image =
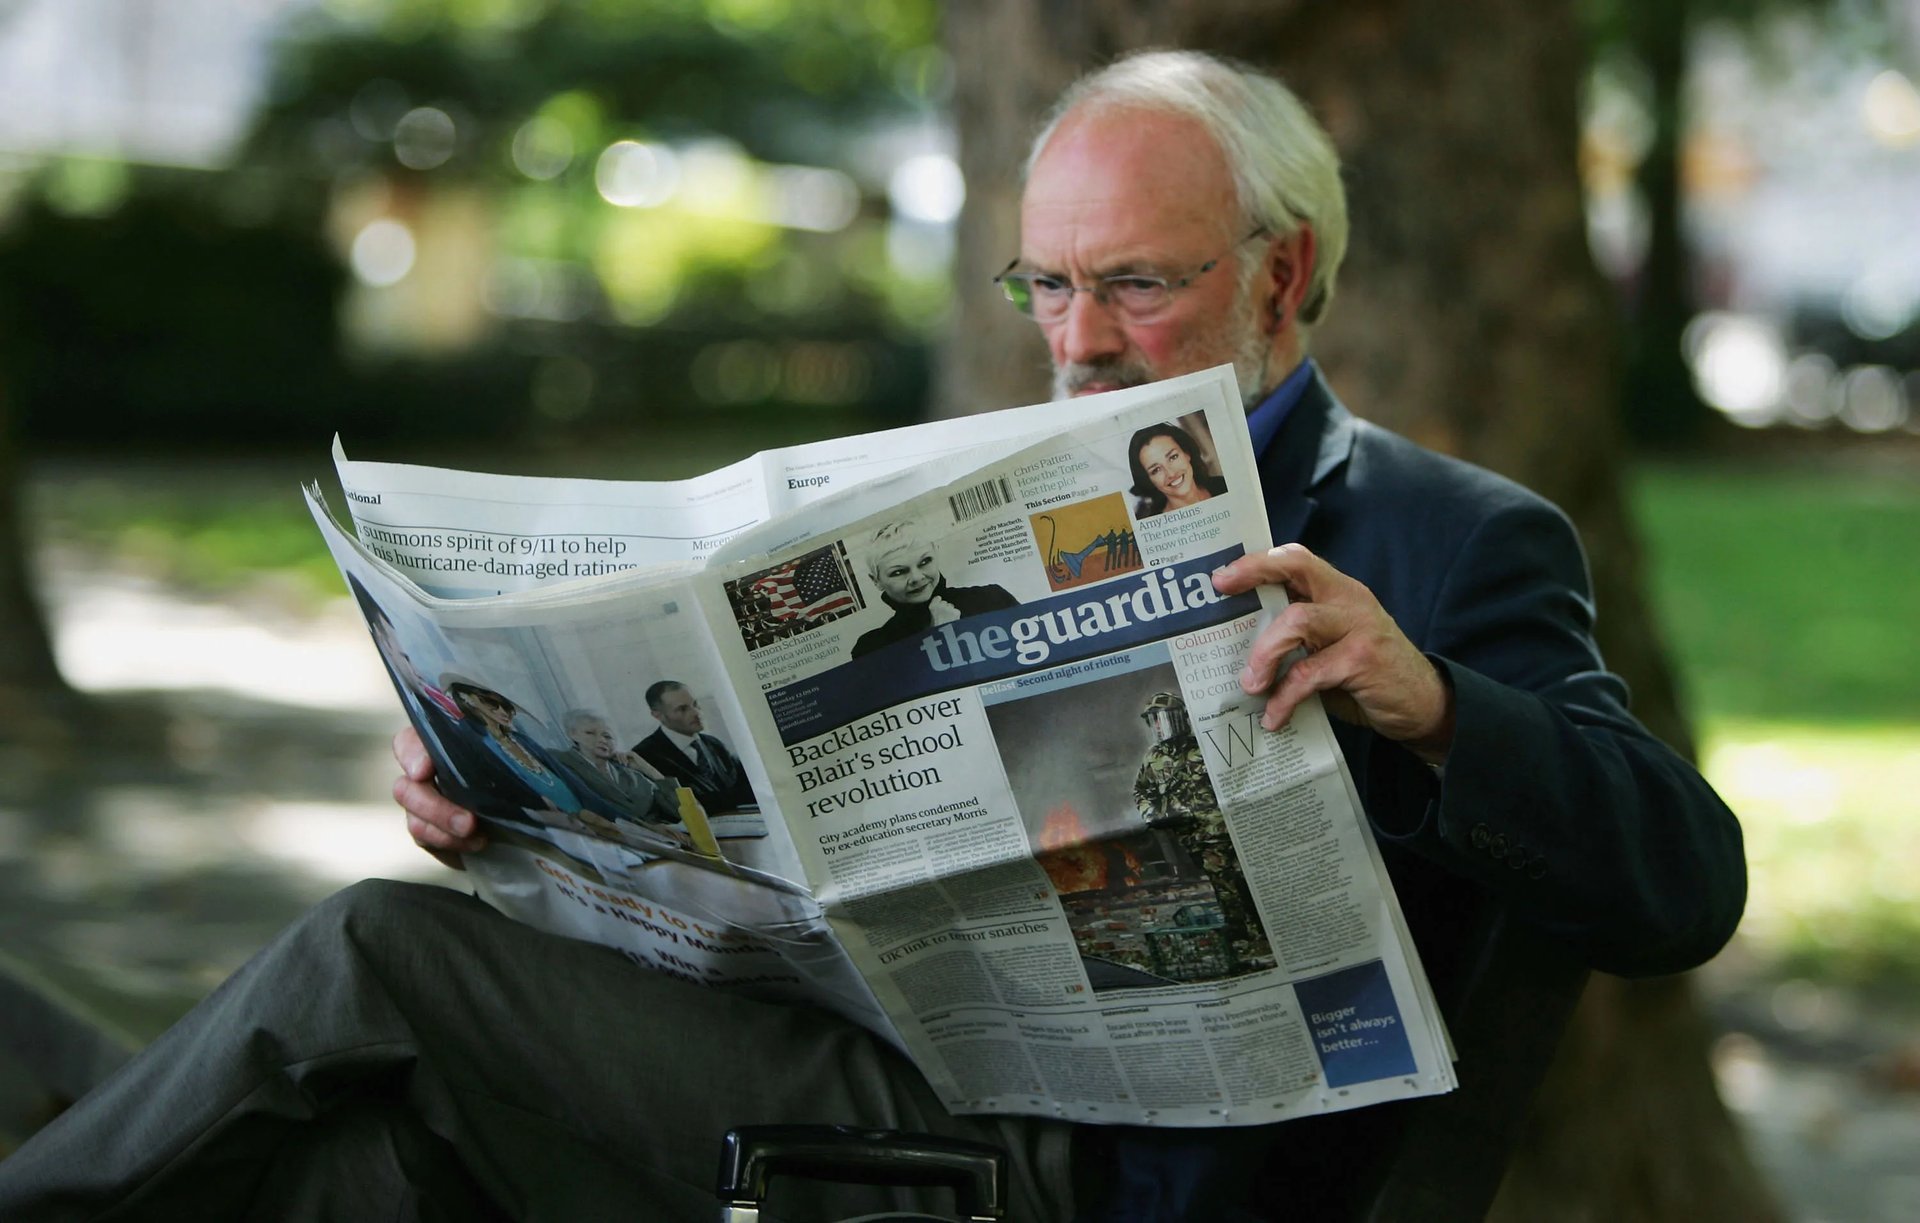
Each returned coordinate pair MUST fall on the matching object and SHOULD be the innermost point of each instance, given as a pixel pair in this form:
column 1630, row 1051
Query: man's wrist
column 1433, row 746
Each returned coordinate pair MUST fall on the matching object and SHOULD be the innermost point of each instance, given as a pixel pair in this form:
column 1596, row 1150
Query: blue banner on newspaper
column 1081, row 623
column 1356, row 1027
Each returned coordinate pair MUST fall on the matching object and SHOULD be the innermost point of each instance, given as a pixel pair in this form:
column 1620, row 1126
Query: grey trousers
column 404, row 1052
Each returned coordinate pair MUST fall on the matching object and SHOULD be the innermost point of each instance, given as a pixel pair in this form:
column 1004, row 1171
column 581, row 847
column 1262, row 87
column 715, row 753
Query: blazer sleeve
column 1553, row 796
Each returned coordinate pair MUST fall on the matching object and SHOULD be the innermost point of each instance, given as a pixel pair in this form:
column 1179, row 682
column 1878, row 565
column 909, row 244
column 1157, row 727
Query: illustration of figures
column 1119, row 547
column 1175, row 795
column 1117, row 550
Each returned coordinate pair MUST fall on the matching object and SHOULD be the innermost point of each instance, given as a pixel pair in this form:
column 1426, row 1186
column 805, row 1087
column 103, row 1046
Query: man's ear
column 1289, row 266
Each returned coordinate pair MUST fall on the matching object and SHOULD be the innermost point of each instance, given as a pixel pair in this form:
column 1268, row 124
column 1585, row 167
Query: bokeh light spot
column 928, row 188
column 383, row 252
column 634, row 175
column 424, row 138
column 542, row 148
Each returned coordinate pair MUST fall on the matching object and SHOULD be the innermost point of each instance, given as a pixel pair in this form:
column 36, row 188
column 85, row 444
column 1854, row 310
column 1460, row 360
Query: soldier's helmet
column 1163, row 700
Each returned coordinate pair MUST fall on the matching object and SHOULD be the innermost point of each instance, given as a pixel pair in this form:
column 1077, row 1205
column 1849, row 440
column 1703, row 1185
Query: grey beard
column 1252, row 361
column 1250, row 364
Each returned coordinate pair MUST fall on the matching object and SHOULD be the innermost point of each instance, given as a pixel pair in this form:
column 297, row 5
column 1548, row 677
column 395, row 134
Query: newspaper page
column 563, row 599
column 1024, row 826
column 1022, row 780
column 538, row 720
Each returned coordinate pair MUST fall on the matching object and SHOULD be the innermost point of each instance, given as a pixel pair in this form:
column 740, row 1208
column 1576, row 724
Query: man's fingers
column 412, row 754
column 1315, row 673
column 1289, row 565
column 425, row 835
column 1314, row 625
column 457, row 827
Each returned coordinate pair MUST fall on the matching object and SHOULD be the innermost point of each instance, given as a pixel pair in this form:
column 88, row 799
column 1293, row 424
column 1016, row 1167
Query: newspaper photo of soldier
column 1114, row 794
column 1086, row 541
column 1173, row 466
column 794, row 598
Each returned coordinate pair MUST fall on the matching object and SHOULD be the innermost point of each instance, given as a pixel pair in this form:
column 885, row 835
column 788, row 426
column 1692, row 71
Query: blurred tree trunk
column 33, row 697
column 1469, row 317
column 1660, row 405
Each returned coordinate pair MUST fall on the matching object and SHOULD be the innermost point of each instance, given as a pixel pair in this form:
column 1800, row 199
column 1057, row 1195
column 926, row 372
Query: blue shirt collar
column 1266, row 418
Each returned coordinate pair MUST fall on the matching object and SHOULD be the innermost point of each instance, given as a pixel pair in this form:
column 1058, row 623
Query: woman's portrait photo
column 1170, row 470
column 904, row 566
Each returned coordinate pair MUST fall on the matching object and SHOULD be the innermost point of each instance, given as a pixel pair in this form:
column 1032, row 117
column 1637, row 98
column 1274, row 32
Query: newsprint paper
column 939, row 727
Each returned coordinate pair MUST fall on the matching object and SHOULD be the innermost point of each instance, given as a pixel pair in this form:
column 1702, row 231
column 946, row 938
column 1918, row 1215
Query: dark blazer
column 1555, row 800
column 1556, row 805
column 724, row 788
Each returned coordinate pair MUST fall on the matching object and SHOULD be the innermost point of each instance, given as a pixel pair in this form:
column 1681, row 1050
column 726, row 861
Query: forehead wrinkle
column 1115, row 191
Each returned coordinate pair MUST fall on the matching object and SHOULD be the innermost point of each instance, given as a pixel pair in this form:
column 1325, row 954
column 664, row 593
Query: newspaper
column 939, row 727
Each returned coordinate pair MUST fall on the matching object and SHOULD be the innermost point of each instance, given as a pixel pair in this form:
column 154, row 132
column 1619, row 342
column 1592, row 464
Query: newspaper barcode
column 991, row 495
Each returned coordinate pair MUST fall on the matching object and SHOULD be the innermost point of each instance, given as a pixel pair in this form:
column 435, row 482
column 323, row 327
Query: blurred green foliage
column 143, row 305
column 1787, row 594
column 213, row 533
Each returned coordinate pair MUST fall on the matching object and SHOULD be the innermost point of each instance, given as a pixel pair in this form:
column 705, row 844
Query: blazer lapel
column 1315, row 440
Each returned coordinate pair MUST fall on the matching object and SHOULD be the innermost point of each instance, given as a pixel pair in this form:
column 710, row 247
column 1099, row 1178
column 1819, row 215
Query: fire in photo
column 1114, row 792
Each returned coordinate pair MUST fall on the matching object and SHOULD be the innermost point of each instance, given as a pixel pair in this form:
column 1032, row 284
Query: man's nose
column 1090, row 330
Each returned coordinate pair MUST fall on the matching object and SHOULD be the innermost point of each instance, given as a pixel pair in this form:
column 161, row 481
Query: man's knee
column 376, row 905
column 381, row 921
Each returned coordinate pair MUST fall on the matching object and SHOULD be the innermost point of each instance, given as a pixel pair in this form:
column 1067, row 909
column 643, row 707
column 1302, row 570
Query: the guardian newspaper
column 941, row 728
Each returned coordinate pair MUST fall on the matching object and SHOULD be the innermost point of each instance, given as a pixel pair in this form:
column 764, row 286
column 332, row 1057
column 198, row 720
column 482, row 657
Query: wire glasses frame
column 1136, row 296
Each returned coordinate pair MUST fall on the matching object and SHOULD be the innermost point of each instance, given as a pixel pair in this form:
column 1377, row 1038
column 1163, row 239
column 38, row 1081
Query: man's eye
column 1135, row 288
column 1046, row 286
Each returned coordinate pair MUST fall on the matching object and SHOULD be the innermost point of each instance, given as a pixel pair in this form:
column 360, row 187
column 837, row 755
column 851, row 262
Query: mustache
column 1076, row 375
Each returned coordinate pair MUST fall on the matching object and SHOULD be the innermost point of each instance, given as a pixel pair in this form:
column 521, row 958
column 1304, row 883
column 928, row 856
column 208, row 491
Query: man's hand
column 1363, row 666
column 437, row 824
column 639, row 764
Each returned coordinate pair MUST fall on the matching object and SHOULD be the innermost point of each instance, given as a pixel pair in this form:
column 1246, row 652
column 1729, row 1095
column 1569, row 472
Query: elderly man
column 1178, row 213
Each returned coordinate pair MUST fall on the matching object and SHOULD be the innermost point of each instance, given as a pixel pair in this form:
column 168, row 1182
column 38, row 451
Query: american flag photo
column 810, row 590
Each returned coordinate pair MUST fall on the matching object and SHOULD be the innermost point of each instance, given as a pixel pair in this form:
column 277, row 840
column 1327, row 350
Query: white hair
column 891, row 538
column 1284, row 168
column 574, row 719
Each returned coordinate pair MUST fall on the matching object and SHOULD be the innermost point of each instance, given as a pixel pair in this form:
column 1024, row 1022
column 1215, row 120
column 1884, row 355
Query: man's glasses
column 1139, row 297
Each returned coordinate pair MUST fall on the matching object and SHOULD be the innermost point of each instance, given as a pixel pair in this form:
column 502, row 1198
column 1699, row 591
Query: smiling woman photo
column 1168, row 472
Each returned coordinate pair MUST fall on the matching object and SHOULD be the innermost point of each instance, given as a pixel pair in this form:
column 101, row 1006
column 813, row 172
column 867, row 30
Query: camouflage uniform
column 1174, row 793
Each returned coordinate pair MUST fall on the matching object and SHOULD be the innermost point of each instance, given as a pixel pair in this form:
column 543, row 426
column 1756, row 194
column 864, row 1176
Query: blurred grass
column 208, row 529
column 1788, row 595
column 1790, row 601
column 1832, row 817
